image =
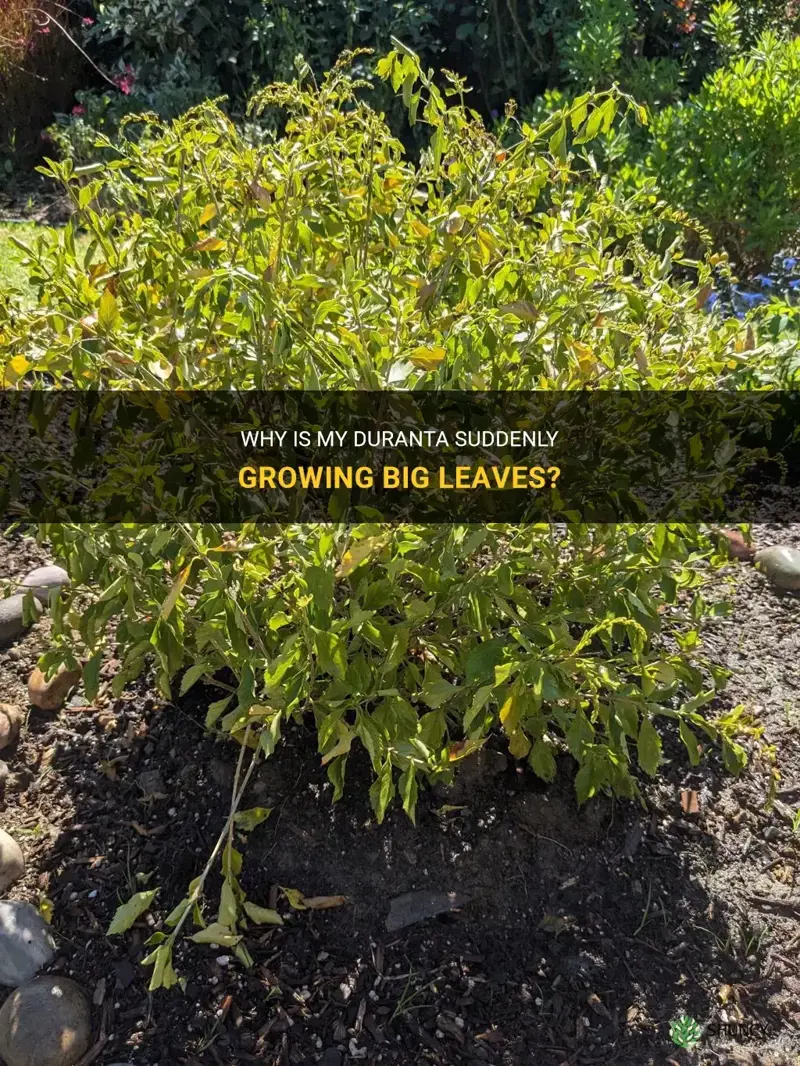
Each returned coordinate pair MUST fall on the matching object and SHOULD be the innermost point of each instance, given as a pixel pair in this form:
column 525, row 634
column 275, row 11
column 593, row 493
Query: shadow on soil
column 587, row 933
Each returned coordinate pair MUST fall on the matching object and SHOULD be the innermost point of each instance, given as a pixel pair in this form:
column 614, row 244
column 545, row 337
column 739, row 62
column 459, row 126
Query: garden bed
column 585, row 935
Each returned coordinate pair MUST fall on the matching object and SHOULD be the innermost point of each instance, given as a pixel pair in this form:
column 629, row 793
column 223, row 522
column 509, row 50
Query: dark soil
column 30, row 197
column 586, row 932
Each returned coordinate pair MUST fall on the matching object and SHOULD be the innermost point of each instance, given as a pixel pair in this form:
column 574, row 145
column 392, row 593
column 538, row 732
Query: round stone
column 46, row 1023
column 11, row 718
column 49, row 695
column 44, row 578
column 12, row 623
column 781, row 565
column 26, row 943
column 12, row 863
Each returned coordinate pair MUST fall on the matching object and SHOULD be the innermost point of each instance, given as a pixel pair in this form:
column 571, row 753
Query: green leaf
column 649, row 747
column 690, row 743
column 437, row 691
column 382, row 790
column 228, row 906
column 194, row 673
column 542, row 761
column 91, row 676
column 409, row 791
column 558, row 142
column 216, row 710
column 128, row 913
column 331, row 653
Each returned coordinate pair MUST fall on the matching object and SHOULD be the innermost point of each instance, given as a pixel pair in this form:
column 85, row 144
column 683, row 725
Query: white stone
column 11, row 617
column 26, row 944
column 44, row 578
column 45, row 1023
column 781, row 564
column 12, row 863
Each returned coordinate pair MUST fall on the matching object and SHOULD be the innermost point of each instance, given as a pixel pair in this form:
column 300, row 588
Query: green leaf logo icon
column 685, row 1032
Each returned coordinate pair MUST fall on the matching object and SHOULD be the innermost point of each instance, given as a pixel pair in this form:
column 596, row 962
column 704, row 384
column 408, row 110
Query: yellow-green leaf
column 127, row 914
column 294, row 897
column 428, row 358
column 262, row 915
column 178, row 586
column 248, row 820
column 107, row 312
column 358, row 554
column 216, row 933
column 209, row 244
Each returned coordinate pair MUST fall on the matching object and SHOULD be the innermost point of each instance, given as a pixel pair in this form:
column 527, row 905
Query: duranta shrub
column 327, row 260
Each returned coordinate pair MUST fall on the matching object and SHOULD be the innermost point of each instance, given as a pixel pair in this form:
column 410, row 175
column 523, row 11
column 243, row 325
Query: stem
column 238, row 793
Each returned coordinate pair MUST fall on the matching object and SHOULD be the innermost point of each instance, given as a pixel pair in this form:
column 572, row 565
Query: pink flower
column 125, row 82
column 44, row 29
column 78, row 110
column 87, row 21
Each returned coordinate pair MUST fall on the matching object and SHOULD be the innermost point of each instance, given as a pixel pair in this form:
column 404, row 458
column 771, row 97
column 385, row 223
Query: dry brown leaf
column 324, row 903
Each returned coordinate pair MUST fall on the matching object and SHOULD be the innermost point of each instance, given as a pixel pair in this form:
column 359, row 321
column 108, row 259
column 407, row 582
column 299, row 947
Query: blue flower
column 790, row 263
column 794, row 284
column 750, row 299
column 711, row 302
column 764, row 281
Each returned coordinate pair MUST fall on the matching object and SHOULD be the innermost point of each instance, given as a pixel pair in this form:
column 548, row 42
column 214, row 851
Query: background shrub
column 731, row 153
column 179, row 52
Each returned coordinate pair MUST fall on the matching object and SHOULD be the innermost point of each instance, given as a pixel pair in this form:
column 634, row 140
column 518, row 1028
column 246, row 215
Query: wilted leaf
column 324, row 903
column 261, row 915
column 554, row 923
column 248, row 820
column 127, row 914
column 216, row 933
column 294, row 897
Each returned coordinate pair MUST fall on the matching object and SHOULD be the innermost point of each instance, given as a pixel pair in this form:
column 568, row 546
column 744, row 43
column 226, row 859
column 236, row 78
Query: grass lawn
column 13, row 275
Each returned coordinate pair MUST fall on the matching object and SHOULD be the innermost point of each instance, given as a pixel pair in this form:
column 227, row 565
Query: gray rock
column 44, row 578
column 46, row 1023
column 781, row 565
column 5, row 774
column 26, row 944
column 417, row 906
column 12, row 863
column 11, row 620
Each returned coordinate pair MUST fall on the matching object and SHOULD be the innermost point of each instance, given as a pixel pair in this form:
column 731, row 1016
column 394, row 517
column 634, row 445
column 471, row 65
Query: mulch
column 581, row 934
